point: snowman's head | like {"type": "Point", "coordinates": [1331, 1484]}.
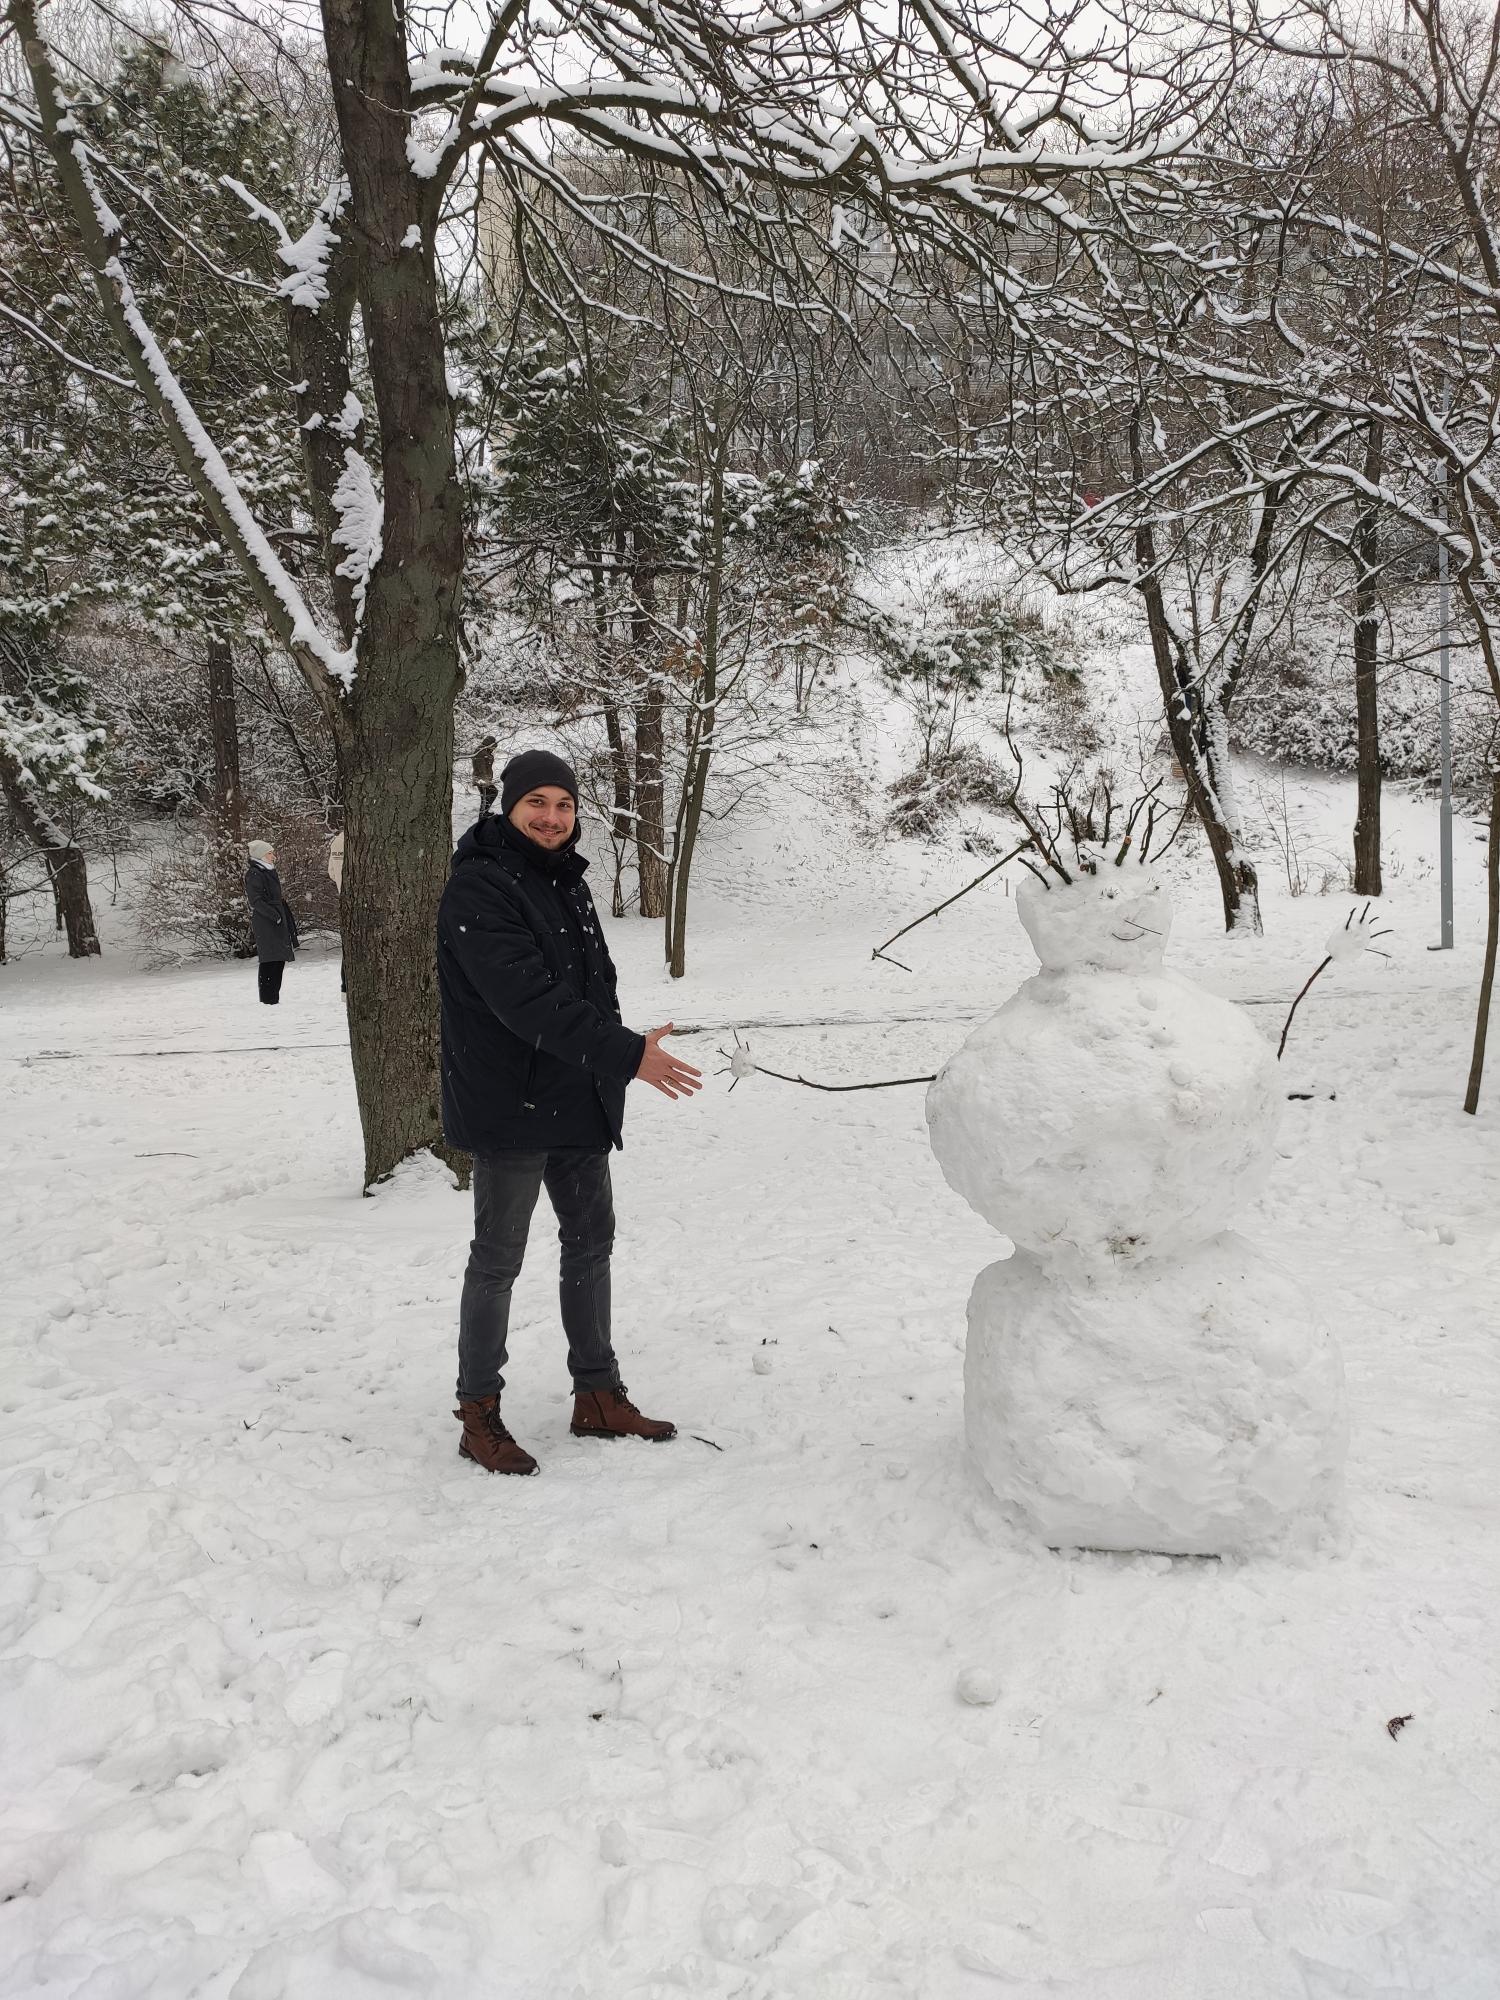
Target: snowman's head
{"type": "Point", "coordinates": [1115, 920]}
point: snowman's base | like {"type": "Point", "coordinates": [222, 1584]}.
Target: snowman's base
{"type": "Point", "coordinates": [1190, 1407]}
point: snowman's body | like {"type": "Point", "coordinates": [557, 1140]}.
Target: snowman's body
{"type": "Point", "coordinates": [1136, 1377]}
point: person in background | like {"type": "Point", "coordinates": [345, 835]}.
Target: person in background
{"type": "Point", "coordinates": [535, 1063]}
{"type": "Point", "coordinates": [336, 877]}
{"type": "Point", "coordinates": [484, 774]}
{"type": "Point", "coordinates": [271, 919]}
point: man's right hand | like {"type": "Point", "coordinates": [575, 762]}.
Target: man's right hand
{"type": "Point", "coordinates": [663, 1071]}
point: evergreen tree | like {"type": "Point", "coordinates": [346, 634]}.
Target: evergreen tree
{"type": "Point", "coordinates": [97, 520]}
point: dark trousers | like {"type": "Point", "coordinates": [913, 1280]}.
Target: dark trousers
{"type": "Point", "coordinates": [505, 1191]}
{"type": "Point", "coordinates": [268, 977]}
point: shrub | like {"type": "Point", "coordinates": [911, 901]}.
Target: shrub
{"type": "Point", "coordinates": [192, 901]}
{"type": "Point", "coordinates": [923, 799]}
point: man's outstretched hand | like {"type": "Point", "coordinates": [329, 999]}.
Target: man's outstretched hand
{"type": "Point", "coordinates": [663, 1071]}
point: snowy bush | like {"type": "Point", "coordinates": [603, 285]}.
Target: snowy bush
{"type": "Point", "coordinates": [1296, 703]}
{"type": "Point", "coordinates": [191, 903]}
{"type": "Point", "coordinates": [939, 649]}
{"type": "Point", "coordinates": [152, 693]}
{"type": "Point", "coordinates": [922, 800]}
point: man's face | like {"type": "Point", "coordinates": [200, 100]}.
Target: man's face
{"type": "Point", "coordinates": [545, 816]}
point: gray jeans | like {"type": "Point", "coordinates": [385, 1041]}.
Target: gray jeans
{"type": "Point", "coordinates": [505, 1191]}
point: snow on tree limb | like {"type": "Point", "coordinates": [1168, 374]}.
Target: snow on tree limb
{"type": "Point", "coordinates": [38, 333]}
{"type": "Point", "coordinates": [329, 668]}
{"type": "Point", "coordinates": [951, 129]}
{"type": "Point", "coordinates": [357, 506]}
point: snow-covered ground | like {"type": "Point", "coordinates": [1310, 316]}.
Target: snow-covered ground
{"type": "Point", "coordinates": [295, 1704]}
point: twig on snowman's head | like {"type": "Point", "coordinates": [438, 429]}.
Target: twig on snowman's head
{"type": "Point", "coordinates": [1038, 837]}
{"type": "Point", "coordinates": [1146, 803]}
{"type": "Point", "coordinates": [1083, 813]}
{"type": "Point", "coordinates": [1181, 822]}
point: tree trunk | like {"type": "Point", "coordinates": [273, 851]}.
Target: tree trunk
{"type": "Point", "coordinates": [223, 721]}
{"type": "Point", "coordinates": [394, 724]}
{"type": "Point", "coordinates": [1197, 740]}
{"type": "Point", "coordinates": [703, 720]}
{"type": "Point", "coordinates": [398, 807]}
{"type": "Point", "coordinates": [1491, 951]}
{"type": "Point", "coordinates": [1367, 879]}
{"type": "Point", "coordinates": [66, 868]}
{"type": "Point", "coordinates": [621, 819]}
{"type": "Point", "coordinates": [650, 776]}
{"type": "Point", "coordinates": [397, 750]}
{"type": "Point", "coordinates": [650, 799]}
{"type": "Point", "coordinates": [1193, 746]}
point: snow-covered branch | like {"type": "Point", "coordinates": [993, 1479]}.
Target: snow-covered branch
{"type": "Point", "coordinates": [329, 668]}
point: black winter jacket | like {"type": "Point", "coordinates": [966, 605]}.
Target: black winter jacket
{"type": "Point", "coordinates": [271, 916]}
{"type": "Point", "coordinates": [534, 1053]}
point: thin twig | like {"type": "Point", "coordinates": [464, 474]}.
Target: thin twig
{"type": "Point", "coordinates": [938, 908]}
{"type": "Point", "coordinates": [1298, 1002]}
{"type": "Point", "coordinates": [886, 1083]}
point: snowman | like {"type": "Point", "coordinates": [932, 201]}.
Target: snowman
{"type": "Point", "coordinates": [1137, 1376]}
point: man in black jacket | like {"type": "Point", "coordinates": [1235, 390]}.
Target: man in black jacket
{"type": "Point", "coordinates": [535, 1066]}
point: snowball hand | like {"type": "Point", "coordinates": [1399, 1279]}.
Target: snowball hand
{"type": "Point", "coordinates": [665, 1072]}
{"type": "Point", "coordinates": [1356, 934]}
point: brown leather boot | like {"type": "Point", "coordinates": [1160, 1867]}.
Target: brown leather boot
{"type": "Point", "coordinates": [609, 1413]}
{"type": "Point", "coordinates": [487, 1441]}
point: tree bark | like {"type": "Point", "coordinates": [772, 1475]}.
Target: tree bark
{"type": "Point", "coordinates": [650, 742]}
{"type": "Point", "coordinates": [223, 722]}
{"type": "Point", "coordinates": [1367, 873]}
{"type": "Point", "coordinates": [1192, 745]}
{"type": "Point", "coordinates": [1196, 744]}
{"type": "Point", "coordinates": [620, 819]}
{"type": "Point", "coordinates": [701, 733]}
{"type": "Point", "coordinates": [1491, 951]}
{"type": "Point", "coordinates": [650, 799]}
{"type": "Point", "coordinates": [66, 868]}
{"type": "Point", "coordinates": [397, 758]}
